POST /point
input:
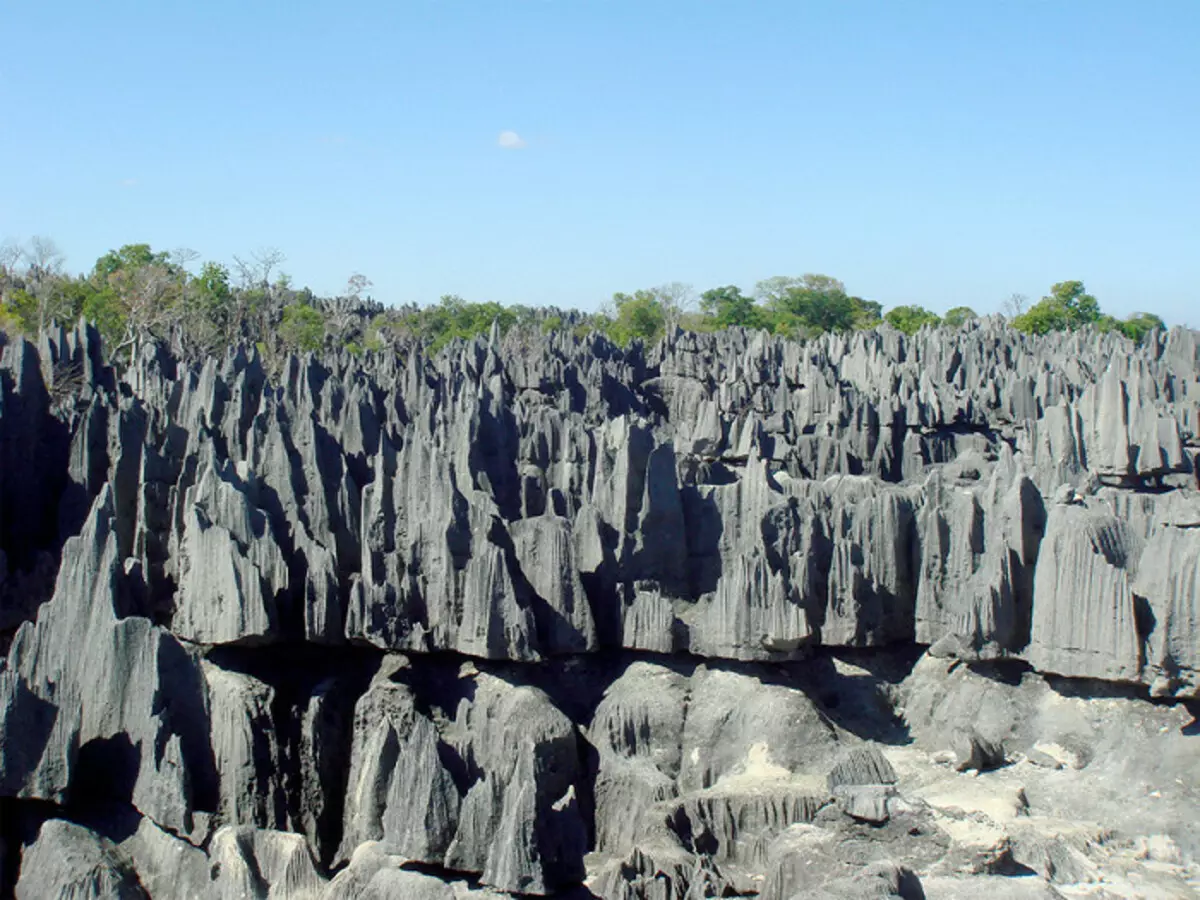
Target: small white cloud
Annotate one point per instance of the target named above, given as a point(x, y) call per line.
point(128, 182)
point(510, 140)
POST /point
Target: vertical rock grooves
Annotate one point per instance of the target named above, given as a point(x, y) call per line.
point(540, 615)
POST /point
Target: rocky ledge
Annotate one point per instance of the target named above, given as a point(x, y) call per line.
point(862, 616)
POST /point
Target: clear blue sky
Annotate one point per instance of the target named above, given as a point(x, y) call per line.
point(933, 153)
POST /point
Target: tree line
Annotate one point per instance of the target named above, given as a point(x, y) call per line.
point(136, 293)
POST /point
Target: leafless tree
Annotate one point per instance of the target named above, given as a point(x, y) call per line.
point(44, 256)
point(256, 270)
point(254, 275)
point(10, 255)
point(357, 285)
point(184, 256)
point(152, 307)
point(1015, 305)
point(45, 262)
point(677, 299)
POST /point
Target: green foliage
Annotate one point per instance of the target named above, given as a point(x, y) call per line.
point(9, 323)
point(820, 311)
point(135, 292)
point(302, 328)
point(525, 318)
point(728, 307)
point(208, 313)
point(131, 256)
point(1137, 326)
point(868, 313)
point(910, 319)
point(211, 286)
point(640, 316)
point(70, 295)
point(105, 310)
point(704, 324)
point(22, 310)
point(813, 304)
point(53, 299)
point(453, 317)
point(1067, 308)
point(958, 316)
point(598, 322)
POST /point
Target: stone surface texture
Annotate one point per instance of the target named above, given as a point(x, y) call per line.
point(868, 615)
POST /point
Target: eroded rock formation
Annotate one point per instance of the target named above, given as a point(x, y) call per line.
point(539, 615)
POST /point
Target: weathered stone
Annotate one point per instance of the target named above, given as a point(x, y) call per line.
point(790, 520)
point(69, 861)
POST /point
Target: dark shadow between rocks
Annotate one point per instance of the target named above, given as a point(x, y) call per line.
point(1094, 688)
point(101, 794)
point(861, 704)
point(1192, 728)
point(20, 822)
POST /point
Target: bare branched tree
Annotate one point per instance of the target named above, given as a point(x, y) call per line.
point(677, 299)
point(268, 258)
point(255, 272)
point(184, 256)
point(44, 268)
point(152, 305)
point(357, 285)
point(44, 256)
point(10, 255)
point(1015, 305)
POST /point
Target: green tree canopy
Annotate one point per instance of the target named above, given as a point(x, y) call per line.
point(1135, 327)
point(1067, 308)
point(1140, 324)
point(729, 307)
point(812, 304)
point(639, 315)
point(867, 313)
point(453, 317)
point(910, 319)
point(774, 292)
point(130, 256)
point(958, 316)
point(302, 328)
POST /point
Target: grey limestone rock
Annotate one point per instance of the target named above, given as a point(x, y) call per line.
point(520, 823)
point(810, 861)
point(642, 594)
point(1084, 618)
point(168, 867)
point(638, 732)
point(861, 765)
point(128, 698)
point(245, 743)
point(1168, 582)
point(492, 791)
point(259, 863)
point(399, 792)
point(231, 569)
point(70, 862)
point(974, 751)
point(736, 724)
point(865, 802)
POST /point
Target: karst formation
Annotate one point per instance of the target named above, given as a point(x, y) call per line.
point(867, 615)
